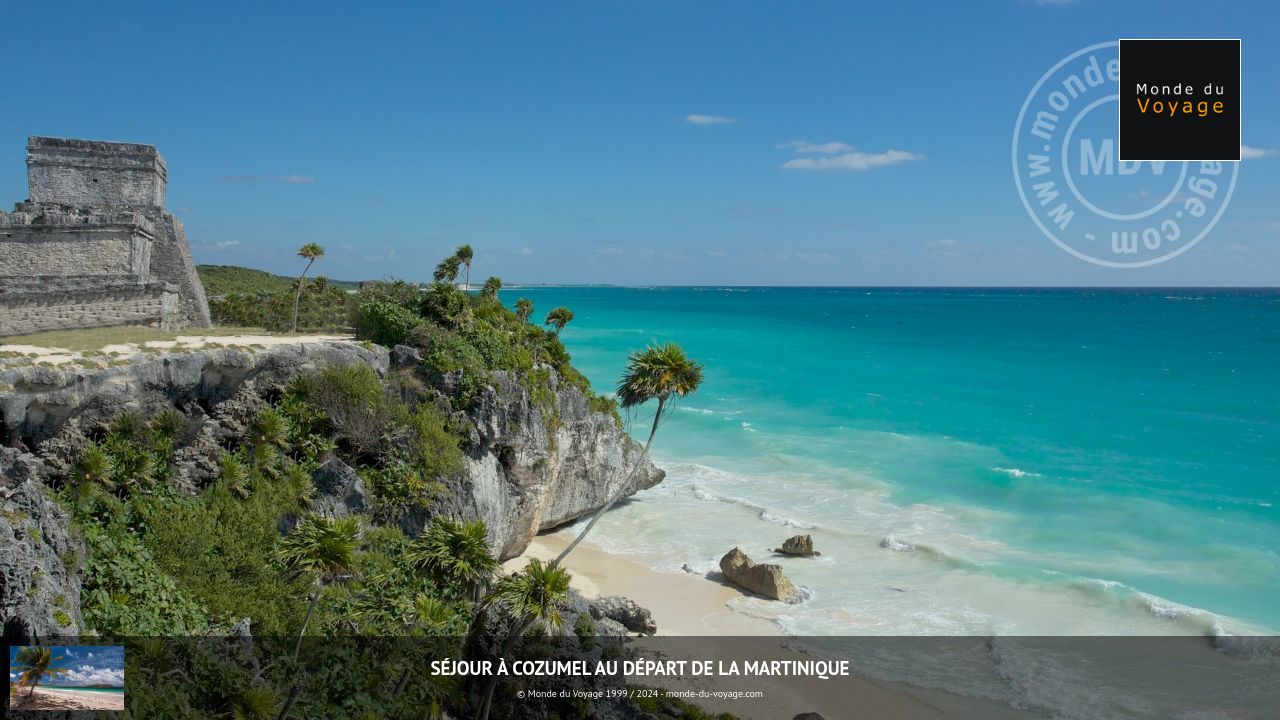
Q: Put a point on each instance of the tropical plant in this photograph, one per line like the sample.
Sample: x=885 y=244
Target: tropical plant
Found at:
x=491 y=288
x=322 y=548
x=524 y=309
x=312 y=252
x=258 y=702
x=33 y=663
x=464 y=255
x=448 y=269
x=457 y=552
x=659 y=372
x=532 y=597
x=558 y=318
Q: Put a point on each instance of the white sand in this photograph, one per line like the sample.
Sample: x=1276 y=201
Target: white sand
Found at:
x=62 y=356
x=50 y=699
x=684 y=604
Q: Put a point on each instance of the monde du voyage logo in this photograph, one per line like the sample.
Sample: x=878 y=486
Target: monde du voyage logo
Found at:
x=1128 y=164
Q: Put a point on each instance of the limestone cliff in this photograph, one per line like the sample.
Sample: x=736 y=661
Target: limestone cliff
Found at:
x=536 y=465
x=534 y=460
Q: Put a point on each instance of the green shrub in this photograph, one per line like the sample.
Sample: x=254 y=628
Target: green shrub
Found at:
x=385 y=323
x=352 y=401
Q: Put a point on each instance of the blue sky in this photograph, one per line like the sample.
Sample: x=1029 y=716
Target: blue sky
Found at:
x=84 y=664
x=556 y=137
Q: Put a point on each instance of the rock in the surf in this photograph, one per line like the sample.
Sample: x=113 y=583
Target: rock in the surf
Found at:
x=760 y=578
x=800 y=545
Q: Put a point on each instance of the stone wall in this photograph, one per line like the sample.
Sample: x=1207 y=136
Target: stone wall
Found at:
x=94 y=246
x=116 y=247
x=88 y=173
x=151 y=305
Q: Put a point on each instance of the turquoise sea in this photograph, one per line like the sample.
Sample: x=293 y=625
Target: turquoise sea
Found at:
x=968 y=461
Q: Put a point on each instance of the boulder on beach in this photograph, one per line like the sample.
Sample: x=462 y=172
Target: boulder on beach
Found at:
x=760 y=578
x=801 y=545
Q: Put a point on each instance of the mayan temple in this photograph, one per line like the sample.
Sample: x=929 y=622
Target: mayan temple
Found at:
x=93 y=245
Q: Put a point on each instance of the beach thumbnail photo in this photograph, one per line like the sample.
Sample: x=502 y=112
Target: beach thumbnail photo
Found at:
x=73 y=677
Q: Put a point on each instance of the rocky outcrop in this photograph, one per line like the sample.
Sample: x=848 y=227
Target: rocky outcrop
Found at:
x=535 y=464
x=339 y=490
x=39 y=558
x=760 y=578
x=531 y=463
x=624 y=611
x=36 y=401
x=798 y=545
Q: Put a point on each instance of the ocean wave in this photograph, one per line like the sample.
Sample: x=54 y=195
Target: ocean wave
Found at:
x=1015 y=472
x=1197 y=620
x=890 y=542
x=767 y=516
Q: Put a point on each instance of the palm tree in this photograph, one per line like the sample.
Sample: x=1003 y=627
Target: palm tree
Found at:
x=659 y=372
x=524 y=308
x=311 y=252
x=448 y=269
x=33 y=663
x=558 y=318
x=456 y=551
x=531 y=596
x=464 y=256
x=323 y=548
x=491 y=288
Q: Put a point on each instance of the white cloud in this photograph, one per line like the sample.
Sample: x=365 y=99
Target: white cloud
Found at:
x=853 y=161
x=90 y=675
x=1253 y=153
x=297 y=179
x=709 y=119
x=806 y=147
x=221 y=246
x=524 y=251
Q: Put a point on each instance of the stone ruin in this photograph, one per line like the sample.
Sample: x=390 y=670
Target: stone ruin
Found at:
x=93 y=246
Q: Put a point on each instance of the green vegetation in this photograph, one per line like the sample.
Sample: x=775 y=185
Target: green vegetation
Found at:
x=220 y=280
x=246 y=542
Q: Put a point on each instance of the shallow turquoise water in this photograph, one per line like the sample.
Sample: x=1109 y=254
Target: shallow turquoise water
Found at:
x=1035 y=461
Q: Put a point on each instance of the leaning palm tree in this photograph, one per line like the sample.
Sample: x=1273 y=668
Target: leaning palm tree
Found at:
x=491 y=288
x=456 y=551
x=465 y=256
x=33 y=663
x=659 y=372
x=524 y=308
x=323 y=548
x=531 y=596
x=312 y=252
x=558 y=318
x=448 y=269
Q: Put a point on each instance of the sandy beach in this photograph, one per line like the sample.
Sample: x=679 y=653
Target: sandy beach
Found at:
x=50 y=699
x=694 y=623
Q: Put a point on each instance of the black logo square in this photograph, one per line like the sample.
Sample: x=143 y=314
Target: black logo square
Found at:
x=1179 y=100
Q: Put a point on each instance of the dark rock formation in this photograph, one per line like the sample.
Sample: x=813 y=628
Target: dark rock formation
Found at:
x=808 y=716
x=339 y=490
x=39 y=559
x=403 y=356
x=800 y=545
x=624 y=611
x=760 y=578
